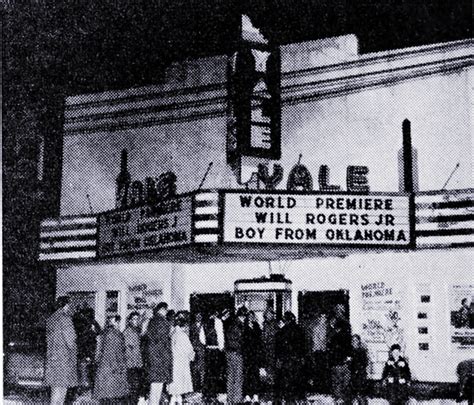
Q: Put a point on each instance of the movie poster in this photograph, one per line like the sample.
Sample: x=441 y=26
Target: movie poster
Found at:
x=142 y=297
x=382 y=324
x=461 y=304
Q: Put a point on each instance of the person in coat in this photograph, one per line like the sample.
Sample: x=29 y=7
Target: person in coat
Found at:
x=253 y=358
x=290 y=350
x=183 y=355
x=358 y=366
x=145 y=381
x=133 y=355
x=234 y=354
x=270 y=328
x=61 y=352
x=111 y=384
x=160 y=354
x=87 y=331
x=339 y=348
x=198 y=366
x=396 y=377
x=465 y=372
x=212 y=337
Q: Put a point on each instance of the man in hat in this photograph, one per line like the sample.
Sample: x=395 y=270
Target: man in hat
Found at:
x=235 y=371
x=61 y=352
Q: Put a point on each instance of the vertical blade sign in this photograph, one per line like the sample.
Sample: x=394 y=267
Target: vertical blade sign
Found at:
x=254 y=97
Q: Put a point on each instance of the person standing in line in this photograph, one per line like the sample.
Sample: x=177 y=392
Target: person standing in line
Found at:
x=198 y=367
x=290 y=349
x=339 y=348
x=270 y=328
x=111 y=385
x=144 y=389
x=253 y=358
x=316 y=328
x=160 y=356
x=87 y=331
x=133 y=355
x=358 y=365
x=183 y=355
x=170 y=315
x=61 y=352
x=212 y=337
x=227 y=319
x=396 y=377
x=234 y=348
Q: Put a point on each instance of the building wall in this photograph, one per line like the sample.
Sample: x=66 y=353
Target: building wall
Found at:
x=407 y=274
x=339 y=108
x=92 y=160
x=365 y=128
x=100 y=278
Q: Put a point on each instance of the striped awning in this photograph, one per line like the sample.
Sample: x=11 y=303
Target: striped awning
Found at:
x=68 y=238
x=444 y=218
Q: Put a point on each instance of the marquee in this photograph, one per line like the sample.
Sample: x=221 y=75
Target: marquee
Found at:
x=317 y=218
x=264 y=224
x=165 y=224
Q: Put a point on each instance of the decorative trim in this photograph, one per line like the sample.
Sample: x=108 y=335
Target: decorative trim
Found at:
x=205 y=223
x=305 y=91
x=445 y=219
x=153 y=106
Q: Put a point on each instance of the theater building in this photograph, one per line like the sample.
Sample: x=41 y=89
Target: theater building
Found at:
x=293 y=191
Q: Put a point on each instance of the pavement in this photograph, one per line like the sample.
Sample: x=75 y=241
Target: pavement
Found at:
x=86 y=399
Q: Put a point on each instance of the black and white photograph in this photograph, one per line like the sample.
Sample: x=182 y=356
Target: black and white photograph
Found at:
x=237 y=202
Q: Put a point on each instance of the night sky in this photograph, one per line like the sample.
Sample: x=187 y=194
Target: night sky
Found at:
x=56 y=48
x=92 y=45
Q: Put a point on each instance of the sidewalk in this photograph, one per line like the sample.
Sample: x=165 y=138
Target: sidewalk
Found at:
x=195 y=399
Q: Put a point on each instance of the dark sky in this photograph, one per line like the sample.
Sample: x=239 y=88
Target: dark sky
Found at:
x=91 y=45
x=56 y=48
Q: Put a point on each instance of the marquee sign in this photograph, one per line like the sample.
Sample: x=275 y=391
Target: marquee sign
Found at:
x=317 y=218
x=140 y=229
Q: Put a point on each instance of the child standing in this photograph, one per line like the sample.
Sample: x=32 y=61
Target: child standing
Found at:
x=396 y=377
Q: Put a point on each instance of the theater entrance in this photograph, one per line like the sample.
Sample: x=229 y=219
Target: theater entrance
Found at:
x=207 y=304
x=315 y=311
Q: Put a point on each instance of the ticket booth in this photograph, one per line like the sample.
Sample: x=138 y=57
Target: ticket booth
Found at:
x=258 y=294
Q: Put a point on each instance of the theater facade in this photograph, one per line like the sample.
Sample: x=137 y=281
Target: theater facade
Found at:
x=346 y=180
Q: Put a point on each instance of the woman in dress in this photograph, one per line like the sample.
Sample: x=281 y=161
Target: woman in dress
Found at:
x=183 y=355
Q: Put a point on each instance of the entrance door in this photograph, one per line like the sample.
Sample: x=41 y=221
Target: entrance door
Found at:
x=206 y=304
x=82 y=299
x=315 y=309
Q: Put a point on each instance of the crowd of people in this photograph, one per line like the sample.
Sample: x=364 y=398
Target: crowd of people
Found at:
x=174 y=354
